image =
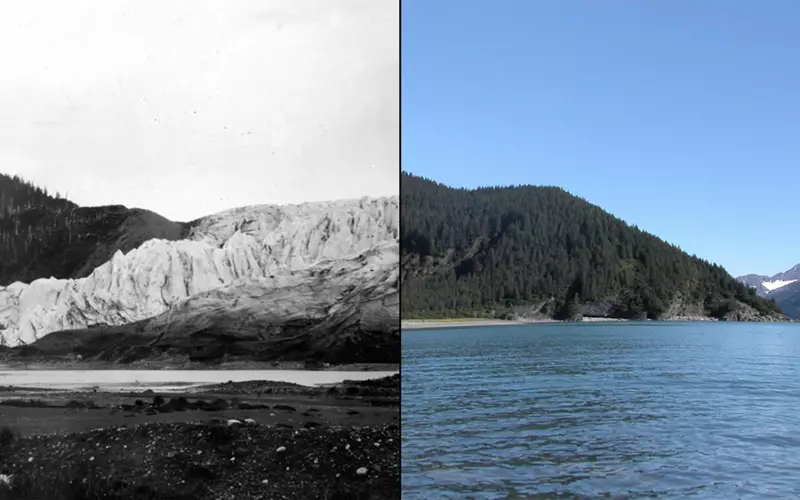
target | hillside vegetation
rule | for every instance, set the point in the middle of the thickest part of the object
(529, 250)
(43, 235)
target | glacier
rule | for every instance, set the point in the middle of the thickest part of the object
(264, 245)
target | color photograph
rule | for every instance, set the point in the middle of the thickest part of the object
(599, 267)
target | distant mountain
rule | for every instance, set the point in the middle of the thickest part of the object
(756, 281)
(788, 298)
(288, 281)
(783, 288)
(539, 251)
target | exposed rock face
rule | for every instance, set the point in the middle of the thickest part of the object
(267, 243)
(680, 309)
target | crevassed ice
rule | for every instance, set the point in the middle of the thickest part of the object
(249, 242)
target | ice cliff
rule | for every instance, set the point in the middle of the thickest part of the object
(223, 251)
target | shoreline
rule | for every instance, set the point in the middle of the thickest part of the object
(64, 365)
(171, 381)
(416, 324)
(437, 324)
(411, 324)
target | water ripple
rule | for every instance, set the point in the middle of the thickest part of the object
(623, 411)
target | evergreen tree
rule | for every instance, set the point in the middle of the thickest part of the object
(466, 252)
(43, 236)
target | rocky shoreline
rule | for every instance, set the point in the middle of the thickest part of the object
(240, 440)
(415, 324)
(216, 460)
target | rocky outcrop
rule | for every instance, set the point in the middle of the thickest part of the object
(680, 309)
(746, 313)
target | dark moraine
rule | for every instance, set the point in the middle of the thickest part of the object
(623, 410)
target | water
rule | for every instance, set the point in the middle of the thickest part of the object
(167, 380)
(626, 410)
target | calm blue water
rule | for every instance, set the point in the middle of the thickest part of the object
(625, 410)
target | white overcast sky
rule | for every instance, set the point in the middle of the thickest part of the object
(187, 107)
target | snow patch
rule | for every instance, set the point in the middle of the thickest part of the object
(774, 285)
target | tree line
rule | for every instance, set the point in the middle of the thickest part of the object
(44, 235)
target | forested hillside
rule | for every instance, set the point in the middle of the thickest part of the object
(540, 250)
(43, 235)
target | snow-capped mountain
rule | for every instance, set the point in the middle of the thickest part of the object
(755, 281)
(783, 287)
(765, 285)
(260, 242)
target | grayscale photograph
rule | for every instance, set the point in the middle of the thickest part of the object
(199, 250)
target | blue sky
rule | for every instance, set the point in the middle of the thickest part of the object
(679, 116)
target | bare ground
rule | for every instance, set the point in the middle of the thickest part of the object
(297, 443)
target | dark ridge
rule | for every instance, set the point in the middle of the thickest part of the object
(788, 299)
(43, 236)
